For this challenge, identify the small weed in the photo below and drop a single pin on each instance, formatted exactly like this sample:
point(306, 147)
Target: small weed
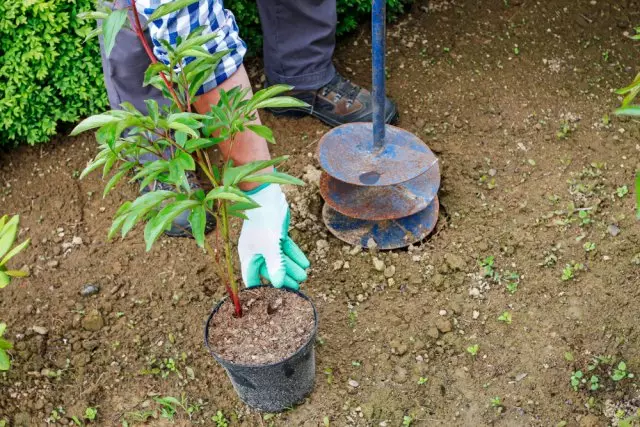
point(56, 415)
point(505, 317)
point(90, 414)
point(516, 50)
point(620, 372)
point(496, 401)
point(325, 421)
point(220, 419)
point(356, 363)
point(473, 349)
point(487, 266)
point(407, 420)
point(565, 130)
point(512, 281)
point(605, 56)
point(422, 380)
point(585, 218)
point(576, 379)
point(164, 367)
point(594, 383)
point(169, 406)
point(137, 417)
point(622, 191)
point(569, 271)
point(589, 246)
point(329, 373)
point(353, 317)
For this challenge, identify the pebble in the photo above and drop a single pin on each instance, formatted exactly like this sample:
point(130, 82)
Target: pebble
point(90, 345)
point(40, 330)
point(322, 244)
point(338, 265)
point(89, 289)
point(354, 383)
point(53, 263)
point(390, 271)
point(378, 264)
point(400, 375)
point(476, 314)
point(77, 240)
point(474, 292)
point(371, 244)
point(356, 250)
point(442, 312)
point(93, 321)
point(455, 262)
point(432, 332)
point(614, 230)
point(444, 325)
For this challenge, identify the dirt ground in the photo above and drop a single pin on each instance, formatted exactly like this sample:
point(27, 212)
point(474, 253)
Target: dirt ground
point(514, 97)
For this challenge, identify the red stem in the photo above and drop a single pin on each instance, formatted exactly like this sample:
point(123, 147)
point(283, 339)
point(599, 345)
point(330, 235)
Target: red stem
point(138, 29)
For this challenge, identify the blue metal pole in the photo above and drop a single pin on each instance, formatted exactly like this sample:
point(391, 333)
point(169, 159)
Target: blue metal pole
point(378, 22)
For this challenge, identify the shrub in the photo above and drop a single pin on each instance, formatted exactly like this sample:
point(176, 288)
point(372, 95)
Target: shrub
point(47, 74)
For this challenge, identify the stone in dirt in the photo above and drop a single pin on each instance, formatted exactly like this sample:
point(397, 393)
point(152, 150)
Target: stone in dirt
point(444, 325)
point(455, 262)
point(40, 330)
point(390, 271)
point(354, 383)
point(93, 321)
point(432, 332)
point(378, 264)
point(89, 289)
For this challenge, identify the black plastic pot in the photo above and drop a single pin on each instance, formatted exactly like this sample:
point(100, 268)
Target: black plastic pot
point(277, 386)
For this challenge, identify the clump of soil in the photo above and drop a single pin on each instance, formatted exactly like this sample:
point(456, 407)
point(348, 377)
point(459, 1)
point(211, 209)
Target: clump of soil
point(274, 325)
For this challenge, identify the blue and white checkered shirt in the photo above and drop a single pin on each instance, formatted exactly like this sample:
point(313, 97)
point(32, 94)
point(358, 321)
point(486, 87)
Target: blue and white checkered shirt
point(208, 13)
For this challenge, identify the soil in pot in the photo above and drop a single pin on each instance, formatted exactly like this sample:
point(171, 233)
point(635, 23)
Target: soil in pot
point(274, 325)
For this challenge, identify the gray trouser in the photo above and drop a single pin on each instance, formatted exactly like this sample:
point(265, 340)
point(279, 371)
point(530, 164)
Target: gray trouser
point(299, 38)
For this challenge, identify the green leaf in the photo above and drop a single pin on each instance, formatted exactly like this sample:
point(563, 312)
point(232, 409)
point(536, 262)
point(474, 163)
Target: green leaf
point(93, 33)
point(163, 220)
point(5, 345)
point(5, 279)
point(94, 122)
point(185, 161)
point(3, 327)
point(170, 7)
point(201, 143)
point(5, 362)
point(152, 71)
point(124, 169)
point(230, 193)
point(234, 175)
point(152, 107)
point(281, 102)
point(629, 110)
point(110, 28)
point(262, 131)
point(15, 251)
point(273, 178)
point(16, 273)
point(7, 237)
point(198, 221)
point(184, 128)
point(638, 194)
point(92, 14)
point(167, 400)
point(266, 93)
point(95, 164)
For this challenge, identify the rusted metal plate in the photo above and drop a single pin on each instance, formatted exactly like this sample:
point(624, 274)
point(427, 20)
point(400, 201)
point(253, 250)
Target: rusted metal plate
point(347, 153)
point(388, 234)
point(378, 203)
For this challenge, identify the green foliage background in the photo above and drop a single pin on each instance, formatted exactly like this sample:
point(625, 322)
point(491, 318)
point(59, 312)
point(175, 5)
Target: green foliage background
point(49, 76)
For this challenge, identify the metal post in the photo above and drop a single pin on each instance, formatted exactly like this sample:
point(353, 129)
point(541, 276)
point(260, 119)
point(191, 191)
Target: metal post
point(378, 21)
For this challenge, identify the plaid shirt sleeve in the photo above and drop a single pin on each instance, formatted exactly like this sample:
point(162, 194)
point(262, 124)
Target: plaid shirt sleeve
point(210, 14)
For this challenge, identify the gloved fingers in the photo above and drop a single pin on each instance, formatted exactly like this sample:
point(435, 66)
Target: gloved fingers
point(294, 271)
point(251, 271)
point(288, 281)
point(294, 252)
point(275, 267)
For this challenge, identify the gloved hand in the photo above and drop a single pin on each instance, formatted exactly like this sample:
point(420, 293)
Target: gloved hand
point(265, 247)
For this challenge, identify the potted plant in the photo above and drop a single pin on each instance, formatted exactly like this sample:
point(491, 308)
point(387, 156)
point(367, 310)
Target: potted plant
point(8, 234)
point(268, 376)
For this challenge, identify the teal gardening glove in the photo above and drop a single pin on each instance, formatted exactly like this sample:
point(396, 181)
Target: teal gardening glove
point(265, 247)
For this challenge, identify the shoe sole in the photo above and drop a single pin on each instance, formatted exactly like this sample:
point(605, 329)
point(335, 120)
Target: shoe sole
point(392, 118)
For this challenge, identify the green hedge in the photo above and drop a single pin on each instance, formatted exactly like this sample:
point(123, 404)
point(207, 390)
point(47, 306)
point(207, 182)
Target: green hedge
point(49, 76)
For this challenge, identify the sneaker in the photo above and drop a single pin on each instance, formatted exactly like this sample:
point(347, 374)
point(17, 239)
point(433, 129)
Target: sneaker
point(337, 103)
point(180, 227)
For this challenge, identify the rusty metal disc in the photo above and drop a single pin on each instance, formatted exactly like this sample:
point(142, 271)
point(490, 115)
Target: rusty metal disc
point(348, 154)
point(387, 234)
point(378, 203)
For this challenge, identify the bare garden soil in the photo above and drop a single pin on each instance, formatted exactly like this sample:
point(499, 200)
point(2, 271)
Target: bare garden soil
point(514, 97)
